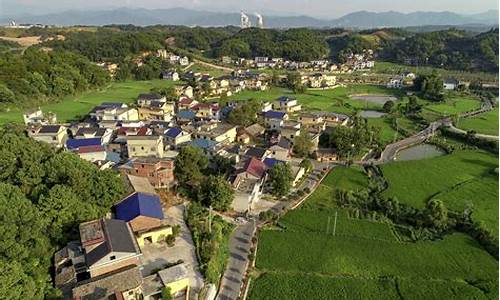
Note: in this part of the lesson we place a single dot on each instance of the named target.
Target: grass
(360, 253)
(454, 105)
(352, 178)
(367, 259)
(336, 100)
(387, 132)
(75, 107)
(486, 123)
(459, 179)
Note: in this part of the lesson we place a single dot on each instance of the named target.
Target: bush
(166, 294)
(170, 239)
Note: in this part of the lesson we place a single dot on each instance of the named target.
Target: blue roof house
(142, 211)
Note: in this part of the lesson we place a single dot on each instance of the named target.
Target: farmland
(74, 107)
(460, 179)
(486, 123)
(367, 259)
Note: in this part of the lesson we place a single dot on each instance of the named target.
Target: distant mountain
(188, 17)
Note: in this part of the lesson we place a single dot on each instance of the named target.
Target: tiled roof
(256, 152)
(255, 167)
(149, 96)
(186, 114)
(77, 143)
(90, 149)
(139, 204)
(271, 114)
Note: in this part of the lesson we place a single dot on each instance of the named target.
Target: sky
(315, 8)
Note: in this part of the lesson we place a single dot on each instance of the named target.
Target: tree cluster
(38, 75)
(44, 195)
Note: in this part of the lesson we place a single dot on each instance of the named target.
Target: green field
(348, 264)
(336, 100)
(387, 134)
(454, 105)
(365, 259)
(462, 179)
(486, 123)
(75, 107)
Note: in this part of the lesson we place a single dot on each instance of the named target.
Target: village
(144, 246)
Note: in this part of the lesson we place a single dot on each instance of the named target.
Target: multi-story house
(145, 146)
(55, 135)
(287, 104)
(159, 171)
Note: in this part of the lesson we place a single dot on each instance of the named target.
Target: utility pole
(328, 225)
(210, 219)
(335, 223)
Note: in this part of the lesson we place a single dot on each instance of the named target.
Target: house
(312, 121)
(159, 171)
(217, 132)
(147, 146)
(176, 278)
(36, 116)
(186, 91)
(287, 104)
(325, 154)
(274, 119)
(282, 150)
(104, 134)
(141, 211)
(170, 75)
(185, 117)
(255, 130)
(450, 84)
(253, 169)
(257, 152)
(290, 129)
(332, 118)
(55, 135)
(124, 283)
(92, 153)
(186, 103)
(108, 245)
(184, 61)
(176, 136)
(75, 144)
(105, 105)
(271, 162)
(297, 173)
(208, 146)
(147, 99)
(117, 114)
(395, 83)
(157, 111)
(208, 111)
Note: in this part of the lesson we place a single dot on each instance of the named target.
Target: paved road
(239, 248)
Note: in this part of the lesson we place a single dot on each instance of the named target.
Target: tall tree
(280, 176)
(190, 165)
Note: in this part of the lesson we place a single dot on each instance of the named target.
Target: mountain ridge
(190, 17)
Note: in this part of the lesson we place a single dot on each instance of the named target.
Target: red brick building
(159, 171)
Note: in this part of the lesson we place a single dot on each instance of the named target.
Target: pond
(419, 152)
(376, 99)
(371, 114)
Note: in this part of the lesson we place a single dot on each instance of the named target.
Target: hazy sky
(318, 8)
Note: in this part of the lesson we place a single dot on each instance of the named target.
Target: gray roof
(173, 274)
(105, 286)
(49, 129)
(117, 238)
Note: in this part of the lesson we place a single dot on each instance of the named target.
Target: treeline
(294, 44)
(44, 195)
(451, 49)
(37, 75)
(110, 44)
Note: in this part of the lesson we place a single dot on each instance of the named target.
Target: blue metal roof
(139, 204)
(270, 162)
(173, 132)
(272, 114)
(77, 143)
(203, 144)
(186, 114)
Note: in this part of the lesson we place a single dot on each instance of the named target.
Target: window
(142, 166)
(131, 293)
(112, 257)
(142, 148)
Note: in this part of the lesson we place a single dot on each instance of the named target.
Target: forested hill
(450, 49)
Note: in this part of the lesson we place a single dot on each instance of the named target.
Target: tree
(166, 293)
(302, 143)
(306, 164)
(220, 165)
(216, 192)
(6, 95)
(388, 106)
(436, 214)
(430, 86)
(190, 165)
(245, 114)
(280, 176)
